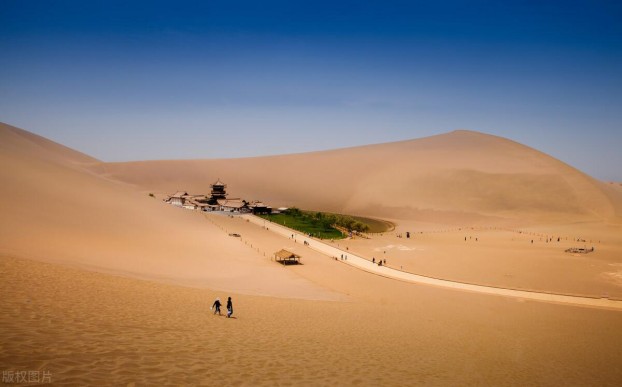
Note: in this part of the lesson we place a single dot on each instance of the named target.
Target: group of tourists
(216, 307)
(381, 262)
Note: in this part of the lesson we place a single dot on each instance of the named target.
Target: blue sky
(207, 79)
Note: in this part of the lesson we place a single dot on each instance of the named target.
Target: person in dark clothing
(216, 306)
(229, 307)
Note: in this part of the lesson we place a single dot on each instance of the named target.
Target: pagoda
(218, 192)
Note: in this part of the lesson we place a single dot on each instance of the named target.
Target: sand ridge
(459, 177)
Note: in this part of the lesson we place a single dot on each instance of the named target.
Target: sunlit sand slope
(55, 210)
(459, 177)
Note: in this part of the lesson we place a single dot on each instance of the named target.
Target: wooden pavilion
(285, 257)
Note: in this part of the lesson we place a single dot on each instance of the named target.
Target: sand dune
(323, 322)
(55, 210)
(63, 206)
(457, 177)
(20, 143)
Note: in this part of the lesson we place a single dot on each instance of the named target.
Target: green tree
(329, 220)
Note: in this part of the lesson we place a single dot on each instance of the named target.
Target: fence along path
(385, 271)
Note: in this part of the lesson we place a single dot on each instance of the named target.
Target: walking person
(229, 307)
(216, 306)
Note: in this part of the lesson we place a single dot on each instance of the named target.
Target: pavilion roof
(285, 254)
(233, 203)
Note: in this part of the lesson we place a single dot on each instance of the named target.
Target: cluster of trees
(330, 220)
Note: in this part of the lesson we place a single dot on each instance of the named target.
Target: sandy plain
(103, 284)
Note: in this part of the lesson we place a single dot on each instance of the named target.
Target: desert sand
(455, 178)
(103, 284)
(380, 267)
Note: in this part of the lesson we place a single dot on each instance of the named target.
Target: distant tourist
(216, 306)
(373, 260)
(229, 307)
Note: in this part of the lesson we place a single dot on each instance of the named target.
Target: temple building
(217, 201)
(178, 199)
(257, 207)
(233, 205)
(219, 192)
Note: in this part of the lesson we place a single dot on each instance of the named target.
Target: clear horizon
(153, 80)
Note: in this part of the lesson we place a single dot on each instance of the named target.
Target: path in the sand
(365, 264)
